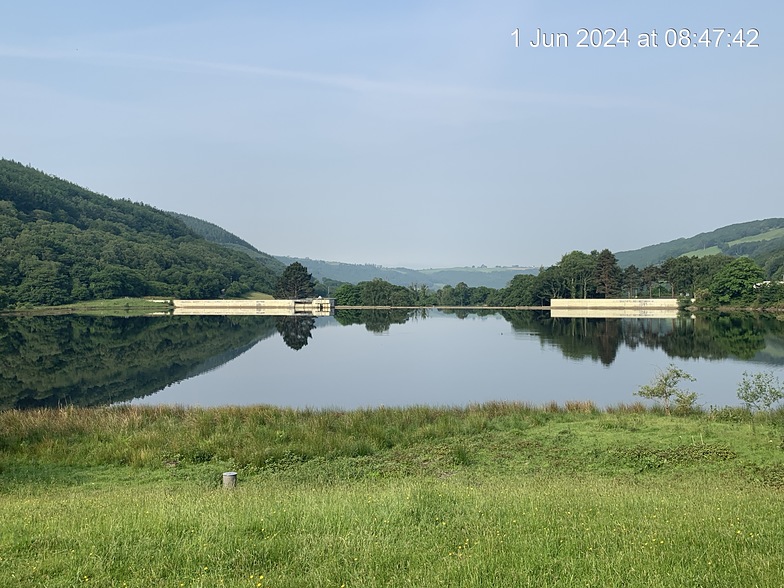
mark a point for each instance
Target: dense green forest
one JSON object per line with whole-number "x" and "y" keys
{"x": 714, "y": 280}
{"x": 221, "y": 236}
{"x": 61, "y": 243}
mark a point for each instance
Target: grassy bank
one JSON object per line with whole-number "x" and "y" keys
{"x": 492, "y": 495}
{"x": 113, "y": 307}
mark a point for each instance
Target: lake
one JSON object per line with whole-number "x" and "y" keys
{"x": 372, "y": 358}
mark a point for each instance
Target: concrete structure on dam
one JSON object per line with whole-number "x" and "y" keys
{"x": 614, "y": 307}
{"x": 308, "y": 307}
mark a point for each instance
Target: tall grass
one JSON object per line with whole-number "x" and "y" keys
{"x": 262, "y": 435}
{"x": 486, "y": 495}
{"x": 459, "y": 531}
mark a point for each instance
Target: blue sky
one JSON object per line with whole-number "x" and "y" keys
{"x": 404, "y": 133}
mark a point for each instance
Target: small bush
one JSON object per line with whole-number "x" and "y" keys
{"x": 760, "y": 391}
{"x": 665, "y": 385}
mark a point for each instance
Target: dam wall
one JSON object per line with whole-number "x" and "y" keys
{"x": 314, "y": 307}
{"x": 615, "y": 303}
{"x": 614, "y": 308}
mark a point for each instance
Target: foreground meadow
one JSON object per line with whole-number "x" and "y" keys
{"x": 491, "y": 495}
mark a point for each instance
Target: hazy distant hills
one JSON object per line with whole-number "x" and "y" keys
{"x": 492, "y": 277}
{"x": 762, "y": 240}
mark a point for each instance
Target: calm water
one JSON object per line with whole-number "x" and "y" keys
{"x": 361, "y": 359}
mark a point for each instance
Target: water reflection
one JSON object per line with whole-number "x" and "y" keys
{"x": 295, "y": 330}
{"x": 56, "y": 360}
{"x": 710, "y": 336}
{"x": 376, "y": 320}
{"x": 84, "y": 361}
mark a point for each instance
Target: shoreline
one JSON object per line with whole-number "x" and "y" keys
{"x": 140, "y": 306}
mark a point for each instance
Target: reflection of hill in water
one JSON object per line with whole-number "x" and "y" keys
{"x": 773, "y": 353}
{"x": 747, "y": 336}
{"x": 84, "y": 361}
{"x": 216, "y": 361}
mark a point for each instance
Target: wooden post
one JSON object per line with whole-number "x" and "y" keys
{"x": 229, "y": 479}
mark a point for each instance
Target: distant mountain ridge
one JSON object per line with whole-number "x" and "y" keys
{"x": 491, "y": 277}
{"x": 762, "y": 240}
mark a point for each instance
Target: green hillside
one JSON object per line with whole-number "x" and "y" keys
{"x": 61, "y": 243}
{"x": 221, "y": 236}
{"x": 762, "y": 240}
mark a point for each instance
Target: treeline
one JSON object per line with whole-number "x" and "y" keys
{"x": 60, "y": 243}
{"x": 711, "y": 280}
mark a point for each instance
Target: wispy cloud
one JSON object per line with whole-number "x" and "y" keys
{"x": 351, "y": 83}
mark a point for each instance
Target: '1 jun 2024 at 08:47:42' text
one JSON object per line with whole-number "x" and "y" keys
{"x": 671, "y": 38}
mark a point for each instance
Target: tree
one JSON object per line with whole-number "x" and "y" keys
{"x": 631, "y": 280}
{"x": 770, "y": 294}
{"x": 679, "y": 272}
{"x": 550, "y": 284}
{"x": 607, "y": 274}
{"x": 462, "y": 294}
{"x": 760, "y": 391}
{"x": 421, "y": 294}
{"x": 348, "y": 295}
{"x": 446, "y": 296}
{"x": 577, "y": 269}
{"x": 479, "y": 295}
{"x": 295, "y": 282}
{"x": 376, "y": 292}
{"x": 650, "y": 276}
{"x": 735, "y": 282}
{"x": 665, "y": 385}
{"x": 521, "y": 291}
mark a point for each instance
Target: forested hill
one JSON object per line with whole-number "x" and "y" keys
{"x": 762, "y": 240}
{"x": 221, "y": 236}
{"x": 61, "y": 243}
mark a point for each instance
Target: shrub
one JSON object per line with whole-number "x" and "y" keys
{"x": 665, "y": 385}
{"x": 760, "y": 391}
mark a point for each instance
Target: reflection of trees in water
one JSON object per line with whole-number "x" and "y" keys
{"x": 717, "y": 336}
{"x": 376, "y": 320}
{"x": 85, "y": 361}
{"x": 741, "y": 335}
{"x": 295, "y": 330}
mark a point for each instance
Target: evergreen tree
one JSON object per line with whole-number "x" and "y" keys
{"x": 607, "y": 274}
{"x": 295, "y": 283}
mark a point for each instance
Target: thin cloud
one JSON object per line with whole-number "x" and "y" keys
{"x": 356, "y": 84}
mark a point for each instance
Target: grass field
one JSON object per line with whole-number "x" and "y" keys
{"x": 113, "y": 307}
{"x": 491, "y": 495}
{"x": 714, "y": 250}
